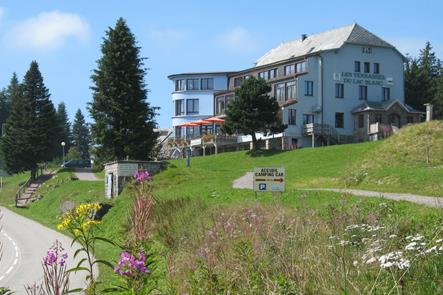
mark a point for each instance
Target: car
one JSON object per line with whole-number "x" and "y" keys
{"x": 77, "y": 164}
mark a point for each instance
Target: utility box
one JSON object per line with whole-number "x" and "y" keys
{"x": 117, "y": 173}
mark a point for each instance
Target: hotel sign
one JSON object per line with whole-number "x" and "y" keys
{"x": 269, "y": 179}
{"x": 363, "y": 78}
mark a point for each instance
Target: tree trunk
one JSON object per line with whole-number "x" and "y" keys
{"x": 254, "y": 141}
{"x": 33, "y": 172}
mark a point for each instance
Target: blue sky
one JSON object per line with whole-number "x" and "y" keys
{"x": 64, "y": 36}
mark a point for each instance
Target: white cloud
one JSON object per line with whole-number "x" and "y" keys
{"x": 237, "y": 40}
{"x": 168, "y": 38}
{"x": 49, "y": 30}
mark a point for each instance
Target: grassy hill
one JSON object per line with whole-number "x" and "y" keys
{"x": 208, "y": 238}
{"x": 410, "y": 161}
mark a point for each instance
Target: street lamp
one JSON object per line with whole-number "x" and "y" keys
{"x": 63, "y": 152}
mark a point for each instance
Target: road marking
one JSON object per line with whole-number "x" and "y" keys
{"x": 16, "y": 254}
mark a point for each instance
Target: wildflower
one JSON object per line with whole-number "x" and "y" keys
{"x": 392, "y": 236}
{"x": 130, "y": 266}
{"x": 142, "y": 175}
{"x": 439, "y": 241}
{"x": 411, "y": 246}
{"x": 394, "y": 259}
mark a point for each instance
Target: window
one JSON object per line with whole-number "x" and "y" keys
{"x": 180, "y": 85}
{"x": 291, "y": 116}
{"x": 179, "y": 107}
{"x": 366, "y": 50}
{"x": 339, "y": 90}
{"x": 378, "y": 118}
{"x": 178, "y": 132}
{"x": 376, "y": 68}
{"x": 410, "y": 119}
{"x": 289, "y": 70}
{"x": 192, "y": 84}
{"x": 264, "y": 75}
{"x": 220, "y": 105}
{"x": 339, "y": 120}
{"x": 190, "y": 131}
{"x": 192, "y": 106}
{"x": 309, "y": 88}
{"x": 238, "y": 81}
{"x": 273, "y": 73}
{"x": 308, "y": 119}
{"x": 291, "y": 90}
{"x": 361, "y": 121}
{"x": 207, "y": 83}
{"x": 363, "y": 92}
{"x": 367, "y": 66}
{"x": 280, "y": 92}
{"x": 357, "y": 66}
{"x": 301, "y": 67}
{"x": 386, "y": 93}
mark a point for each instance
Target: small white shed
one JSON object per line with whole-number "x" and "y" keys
{"x": 118, "y": 172}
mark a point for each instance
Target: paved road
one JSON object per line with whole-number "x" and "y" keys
{"x": 246, "y": 182}
{"x": 25, "y": 242}
{"x": 85, "y": 174}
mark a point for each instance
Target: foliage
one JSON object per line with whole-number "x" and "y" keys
{"x": 73, "y": 153}
{"x": 123, "y": 119}
{"x": 6, "y": 96}
{"x": 65, "y": 126}
{"x": 5, "y": 291}
{"x": 81, "y": 139}
{"x": 80, "y": 223}
{"x": 31, "y": 129}
{"x": 253, "y": 110}
{"x": 423, "y": 78}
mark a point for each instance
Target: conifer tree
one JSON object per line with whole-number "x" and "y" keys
{"x": 65, "y": 125}
{"x": 123, "y": 119}
{"x": 80, "y": 135}
{"x": 6, "y": 97}
{"x": 31, "y": 129}
{"x": 253, "y": 110}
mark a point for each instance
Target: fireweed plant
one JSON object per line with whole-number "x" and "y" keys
{"x": 132, "y": 266}
{"x": 81, "y": 224}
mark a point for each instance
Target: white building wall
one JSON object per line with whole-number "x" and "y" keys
{"x": 338, "y": 62}
{"x": 205, "y": 97}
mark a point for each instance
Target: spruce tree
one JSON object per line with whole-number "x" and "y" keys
{"x": 64, "y": 125}
{"x": 6, "y": 97}
{"x": 123, "y": 119}
{"x": 31, "y": 129}
{"x": 412, "y": 84}
{"x": 253, "y": 110}
{"x": 80, "y": 135}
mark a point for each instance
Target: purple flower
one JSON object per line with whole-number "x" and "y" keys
{"x": 129, "y": 265}
{"x": 54, "y": 255}
{"x": 142, "y": 175}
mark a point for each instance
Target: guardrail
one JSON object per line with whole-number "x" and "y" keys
{"x": 22, "y": 189}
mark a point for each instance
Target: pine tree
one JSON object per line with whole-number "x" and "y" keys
{"x": 6, "y": 97}
{"x": 438, "y": 98}
{"x": 412, "y": 85}
{"x": 80, "y": 135}
{"x": 123, "y": 119}
{"x": 47, "y": 129}
{"x": 65, "y": 125}
{"x": 253, "y": 110}
{"x": 31, "y": 129}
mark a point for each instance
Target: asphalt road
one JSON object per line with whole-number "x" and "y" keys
{"x": 25, "y": 243}
{"x": 85, "y": 174}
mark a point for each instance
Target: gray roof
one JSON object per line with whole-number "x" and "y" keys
{"x": 383, "y": 106}
{"x": 200, "y": 74}
{"x": 329, "y": 40}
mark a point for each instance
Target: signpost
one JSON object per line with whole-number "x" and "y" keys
{"x": 269, "y": 179}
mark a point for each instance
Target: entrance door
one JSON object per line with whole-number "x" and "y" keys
{"x": 109, "y": 185}
{"x": 394, "y": 119}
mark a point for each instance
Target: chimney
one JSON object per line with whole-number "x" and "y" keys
{"x": 303, "y": 37}
{"x": 429, "y": 111}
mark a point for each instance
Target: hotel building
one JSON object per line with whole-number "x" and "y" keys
{"x": 339, "y": 86}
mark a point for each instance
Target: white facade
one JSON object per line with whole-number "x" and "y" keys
{"x": 194, "y": 100}
{"x": 328, "y": 69}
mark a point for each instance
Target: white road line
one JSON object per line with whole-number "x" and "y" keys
{"x": 16, "y": 254}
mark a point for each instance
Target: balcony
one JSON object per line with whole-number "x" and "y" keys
{"x": 214, "y": 140}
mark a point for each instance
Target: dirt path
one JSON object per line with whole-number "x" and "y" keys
{"x": 246, "y": 182}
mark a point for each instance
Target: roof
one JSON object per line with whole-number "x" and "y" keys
{"x": 383, "y": 106}
{"x": 199, "y": 74}
{"x": 329, "y": 40}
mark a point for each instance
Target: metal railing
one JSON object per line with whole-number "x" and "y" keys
{"x": 22, "y": 189}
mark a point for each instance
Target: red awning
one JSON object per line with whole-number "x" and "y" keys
{"x": 215, "y": 120}
{"x": 188, "y": 124}
{"x": 202, "y": 122}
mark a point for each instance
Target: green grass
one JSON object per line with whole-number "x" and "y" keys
{"x": 189, "y": 198}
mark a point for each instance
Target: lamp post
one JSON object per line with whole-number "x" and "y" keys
{"x": 63, "y": 152}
